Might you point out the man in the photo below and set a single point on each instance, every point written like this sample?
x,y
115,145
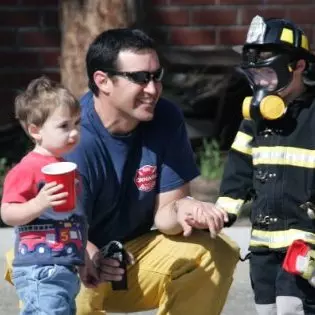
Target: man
x,y
272,162
136,164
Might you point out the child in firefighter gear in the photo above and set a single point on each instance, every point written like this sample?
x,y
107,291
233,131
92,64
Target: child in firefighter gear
x,y
272,161
49,245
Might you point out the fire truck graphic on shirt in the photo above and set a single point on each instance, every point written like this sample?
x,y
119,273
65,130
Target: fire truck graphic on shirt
x,y
62,236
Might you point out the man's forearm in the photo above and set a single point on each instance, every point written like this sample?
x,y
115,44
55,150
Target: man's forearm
x,y
166,219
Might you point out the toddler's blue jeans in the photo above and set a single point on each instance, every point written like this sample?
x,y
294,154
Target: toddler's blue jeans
x,y
49,290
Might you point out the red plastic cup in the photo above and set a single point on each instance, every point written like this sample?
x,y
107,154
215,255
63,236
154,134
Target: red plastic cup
x,y
63,173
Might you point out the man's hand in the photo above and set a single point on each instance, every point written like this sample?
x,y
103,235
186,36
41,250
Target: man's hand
x,y
89,273
109,267
109,270
98,269
192,213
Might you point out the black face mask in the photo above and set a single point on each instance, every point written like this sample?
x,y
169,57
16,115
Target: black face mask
x,y
266,77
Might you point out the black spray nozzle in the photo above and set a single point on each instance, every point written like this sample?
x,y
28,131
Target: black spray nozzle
x,y
115,250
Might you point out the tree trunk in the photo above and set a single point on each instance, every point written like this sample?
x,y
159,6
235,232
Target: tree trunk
x,y
81,22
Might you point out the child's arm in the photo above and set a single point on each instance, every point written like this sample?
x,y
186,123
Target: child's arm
x,y
23,213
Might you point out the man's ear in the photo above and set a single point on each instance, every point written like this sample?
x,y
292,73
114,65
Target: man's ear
x,y
102,81
34,132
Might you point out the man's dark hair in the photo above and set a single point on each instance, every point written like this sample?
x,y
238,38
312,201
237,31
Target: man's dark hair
x,y
103,52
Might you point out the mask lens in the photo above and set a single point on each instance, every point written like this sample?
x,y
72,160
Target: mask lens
x,y
263,77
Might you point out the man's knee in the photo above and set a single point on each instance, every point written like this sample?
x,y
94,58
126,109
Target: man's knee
x,y
221,253
220,248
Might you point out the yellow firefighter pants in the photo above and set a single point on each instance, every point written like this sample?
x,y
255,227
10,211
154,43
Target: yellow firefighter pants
x,y
177,275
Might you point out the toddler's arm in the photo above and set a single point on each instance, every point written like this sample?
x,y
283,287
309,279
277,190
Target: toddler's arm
x,y
22,213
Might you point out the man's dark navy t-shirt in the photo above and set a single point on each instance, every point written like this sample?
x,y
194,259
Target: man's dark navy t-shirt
x,y
122,175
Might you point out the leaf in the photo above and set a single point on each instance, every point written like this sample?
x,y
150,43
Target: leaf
x,y
211,162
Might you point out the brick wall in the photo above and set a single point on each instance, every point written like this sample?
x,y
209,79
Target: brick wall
x,y
29,47
218,24
30,35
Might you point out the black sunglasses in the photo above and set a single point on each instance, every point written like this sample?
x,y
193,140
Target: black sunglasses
x,y
140,77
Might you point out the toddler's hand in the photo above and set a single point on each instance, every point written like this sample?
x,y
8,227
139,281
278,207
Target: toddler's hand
x,y
48,196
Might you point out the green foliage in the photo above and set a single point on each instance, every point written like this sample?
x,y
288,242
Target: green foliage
x,y
211,162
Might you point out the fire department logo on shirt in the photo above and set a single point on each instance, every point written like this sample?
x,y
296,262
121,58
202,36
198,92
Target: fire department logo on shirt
x,y
145,178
